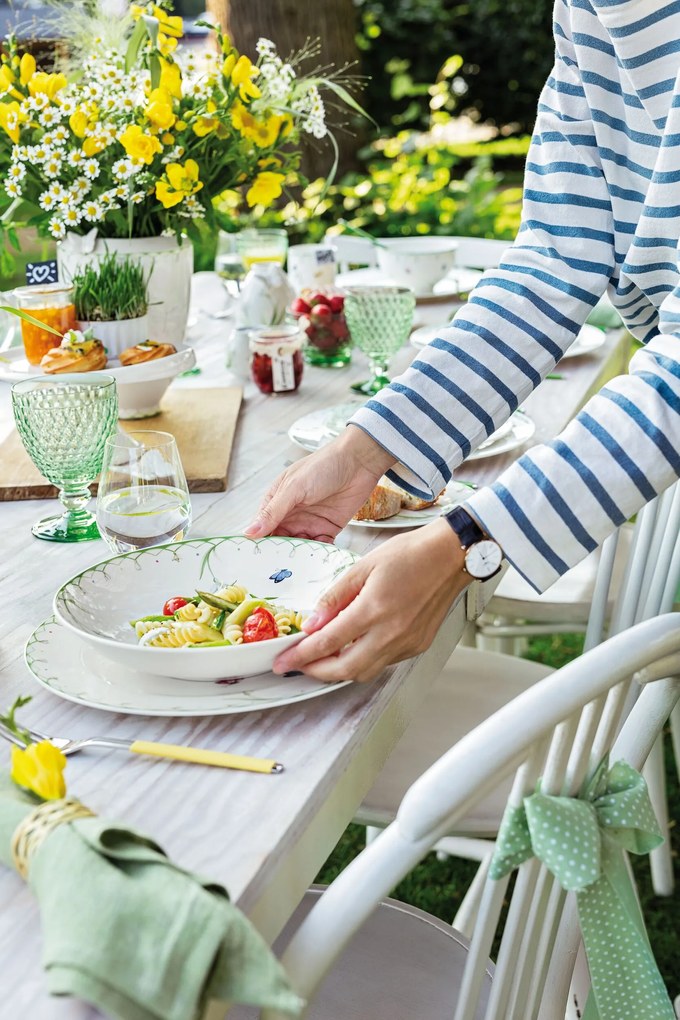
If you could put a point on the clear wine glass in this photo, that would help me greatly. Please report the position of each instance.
(379, 321)
(143, 496)
(229, 266)
(63, 424)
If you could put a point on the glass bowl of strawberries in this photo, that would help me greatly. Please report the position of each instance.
(321, 315)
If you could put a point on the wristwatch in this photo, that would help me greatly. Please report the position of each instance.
(483, 555)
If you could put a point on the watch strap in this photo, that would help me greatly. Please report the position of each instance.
(465, 526)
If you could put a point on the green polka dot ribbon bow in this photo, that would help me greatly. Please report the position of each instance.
(581, 841)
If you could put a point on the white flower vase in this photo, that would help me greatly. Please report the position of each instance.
(168, 264)
(120, 334)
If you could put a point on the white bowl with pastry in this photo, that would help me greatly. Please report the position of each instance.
(142, 373)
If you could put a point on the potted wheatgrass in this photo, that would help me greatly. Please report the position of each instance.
(110, 297)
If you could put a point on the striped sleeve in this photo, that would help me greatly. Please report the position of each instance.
(560, 500)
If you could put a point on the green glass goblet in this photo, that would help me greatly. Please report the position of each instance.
(63, 423)
(379, 321)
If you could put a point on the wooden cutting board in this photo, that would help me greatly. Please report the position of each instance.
(203, 421)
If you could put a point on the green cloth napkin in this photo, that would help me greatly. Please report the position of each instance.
(604, 315)
(581, 840)
(130, 932)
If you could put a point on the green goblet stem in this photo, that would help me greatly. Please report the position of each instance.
(76, 524)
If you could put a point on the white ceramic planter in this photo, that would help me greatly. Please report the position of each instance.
(169, 265)
(118, 335)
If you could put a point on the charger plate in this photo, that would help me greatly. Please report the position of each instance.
(70, 669)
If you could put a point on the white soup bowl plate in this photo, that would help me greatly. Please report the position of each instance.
(99, 603)
(416, 262)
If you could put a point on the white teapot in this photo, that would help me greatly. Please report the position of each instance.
(265, 295)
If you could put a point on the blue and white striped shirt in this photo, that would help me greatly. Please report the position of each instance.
(601, 212)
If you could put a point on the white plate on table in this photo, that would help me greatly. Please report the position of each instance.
(67, 667)
(318, 428)
(458, 282)
(588, 339)
(14, 367)
(454, 494)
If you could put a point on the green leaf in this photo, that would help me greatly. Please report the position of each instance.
(29, 318)
(151, 25)
(155, 71)
(134, 45)
(11, 723)
(347, 98)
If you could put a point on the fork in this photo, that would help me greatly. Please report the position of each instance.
(198, 755)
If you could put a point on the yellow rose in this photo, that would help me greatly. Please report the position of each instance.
(171, 78)
(46, 84)
(139, 145)
(265, 188)
(40, 768)
(159, 111)
(27, 68)
(180, 181)
(94, 144)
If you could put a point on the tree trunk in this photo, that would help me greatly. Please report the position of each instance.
(289, 24)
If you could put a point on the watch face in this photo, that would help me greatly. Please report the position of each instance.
(483, 559)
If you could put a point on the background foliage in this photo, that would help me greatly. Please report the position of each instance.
(491, 40)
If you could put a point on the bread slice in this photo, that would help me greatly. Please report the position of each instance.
(384, 502)
(409, 502)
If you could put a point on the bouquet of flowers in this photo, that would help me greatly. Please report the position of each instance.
(137, 140)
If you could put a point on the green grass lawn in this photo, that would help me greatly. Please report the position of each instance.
(438, 886)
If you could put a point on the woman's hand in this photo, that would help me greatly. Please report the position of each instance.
(385, 608)
(316, 496)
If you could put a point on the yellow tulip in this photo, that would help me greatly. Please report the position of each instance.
(40, 768)
(170, 25)
(171, 78)
(180, 181)
(228, 65)
(167, 44)
(46, 84)
(139, 145)
(27, 67)
(159, 111)
(11, 119)
(94, 144)
(265, 188)
(78, 122)
(6, 78)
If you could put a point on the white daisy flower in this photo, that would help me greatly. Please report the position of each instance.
(13, 189)
(81, 186)
(49, 117)
(75, 158)
(60, 135)
(67, 105)
(122, 169)
(47, 201)
(91, 92)
(16, 172)
(92, 211)
(52, 166)
(137, 197)
(91, 168)
(57, 228)
(39, 153)
(56, 191)
(38, 102)
(20, 152)
(71, 216)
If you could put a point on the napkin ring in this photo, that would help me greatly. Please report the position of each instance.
(36, 827)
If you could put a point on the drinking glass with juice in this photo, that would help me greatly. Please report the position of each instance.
(51, 304)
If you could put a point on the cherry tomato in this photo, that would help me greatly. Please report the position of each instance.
(173, 604)
(260, 626)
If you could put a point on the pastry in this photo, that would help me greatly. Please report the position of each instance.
(78, 352)
(387, 500)
(150, 350)
(384, 502)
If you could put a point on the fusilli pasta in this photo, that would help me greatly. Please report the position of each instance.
(232, 632)
(286, 619)
(179, 633)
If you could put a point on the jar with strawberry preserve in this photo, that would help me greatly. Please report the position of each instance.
(276, 363)
(321, 315)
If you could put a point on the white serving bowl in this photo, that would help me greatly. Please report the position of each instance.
(416, 262)
(99, 603)
(141, 387)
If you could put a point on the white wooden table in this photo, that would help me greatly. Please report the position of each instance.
(264, 837)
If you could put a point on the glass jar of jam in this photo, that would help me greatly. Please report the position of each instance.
(52, 304)
(276, 358)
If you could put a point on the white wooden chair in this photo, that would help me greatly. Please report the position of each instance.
(356, 955)
(475, 683)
